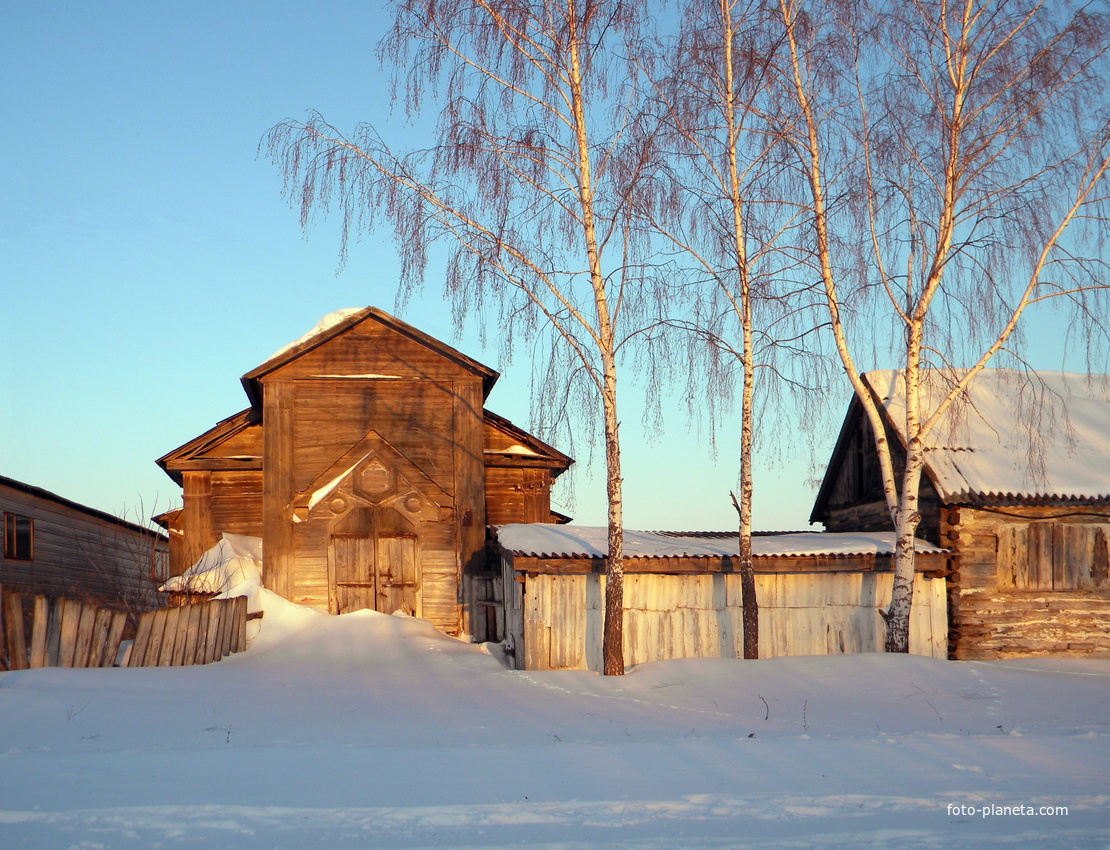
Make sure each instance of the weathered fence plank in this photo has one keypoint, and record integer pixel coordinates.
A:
(13, 623)
(85, 622)
(39, 624)
(72, 633)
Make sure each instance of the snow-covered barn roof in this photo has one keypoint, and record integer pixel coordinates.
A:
(1013, 436)
(540, 540)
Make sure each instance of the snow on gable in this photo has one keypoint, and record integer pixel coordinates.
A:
(574, 541)
(319, 329)
(1014, 434)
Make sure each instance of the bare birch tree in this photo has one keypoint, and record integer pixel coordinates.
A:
(721, 216)
(953, 158)
(529, 183)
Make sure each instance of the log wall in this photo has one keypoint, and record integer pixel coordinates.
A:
(1032, 581)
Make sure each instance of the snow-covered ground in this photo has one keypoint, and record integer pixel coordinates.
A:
(373, 731)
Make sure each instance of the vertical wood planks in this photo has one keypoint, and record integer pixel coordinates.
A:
(698, 616)
(13, 630)
(192, 634)
(38, 633)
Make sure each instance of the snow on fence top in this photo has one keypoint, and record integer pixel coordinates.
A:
(540, 540)
(1013, 436)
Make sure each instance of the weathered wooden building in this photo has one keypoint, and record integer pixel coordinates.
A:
(369, 467)
(818, 594)
(1017, 484)
(57, 547)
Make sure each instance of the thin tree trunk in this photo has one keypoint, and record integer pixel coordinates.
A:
(750, 615)
(744, 507)
(612, 640)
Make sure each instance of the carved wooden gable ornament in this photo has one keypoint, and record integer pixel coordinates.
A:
(372, 473)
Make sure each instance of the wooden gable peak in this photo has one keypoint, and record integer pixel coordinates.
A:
(372, 472)
(174, 462)
(341, 321)
(525, 448)
(850, 425)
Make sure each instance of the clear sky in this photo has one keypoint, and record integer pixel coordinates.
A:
(148, 259)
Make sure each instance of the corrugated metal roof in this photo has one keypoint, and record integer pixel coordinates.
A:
(542, 540)
(1013, 437)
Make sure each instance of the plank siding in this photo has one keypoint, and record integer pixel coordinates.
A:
(470, 497)
(416, 417)
(555, 619)
(277, 487)
(82, 552)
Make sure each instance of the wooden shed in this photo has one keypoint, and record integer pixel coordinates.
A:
(818, 594)
(1017, 484)
(57, 547)
(367, 464)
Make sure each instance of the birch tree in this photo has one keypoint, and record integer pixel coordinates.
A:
(720, 215)
(952, 160)
(529, 184)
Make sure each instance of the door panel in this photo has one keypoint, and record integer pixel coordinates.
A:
(397, 579)
(354, 572)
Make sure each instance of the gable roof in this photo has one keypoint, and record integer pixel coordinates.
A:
(340, 321)
(1012, 437)
(40, 493)
(191, 453)
(525, 449)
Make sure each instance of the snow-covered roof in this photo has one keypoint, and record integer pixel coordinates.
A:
(1013, 436)
(576, 541)
(319, 329)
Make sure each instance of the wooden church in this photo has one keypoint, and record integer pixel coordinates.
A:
(370, 468)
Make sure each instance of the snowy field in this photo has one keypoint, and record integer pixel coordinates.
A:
(373, 731)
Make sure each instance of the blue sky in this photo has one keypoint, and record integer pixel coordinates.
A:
(148, 259)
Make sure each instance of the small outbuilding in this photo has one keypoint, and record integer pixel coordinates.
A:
(1017, 485)
(818, 594)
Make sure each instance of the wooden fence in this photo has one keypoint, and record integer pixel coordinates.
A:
(73, 633)
(191, 634)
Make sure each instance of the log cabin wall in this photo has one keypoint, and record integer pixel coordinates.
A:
(554, 617)
(200, 529)
(519, 472)
(517, 494)
(216, 502)
(53, 546)
(1030, 575)
(1032, 581)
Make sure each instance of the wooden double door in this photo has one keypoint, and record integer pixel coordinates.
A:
(374, 563)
